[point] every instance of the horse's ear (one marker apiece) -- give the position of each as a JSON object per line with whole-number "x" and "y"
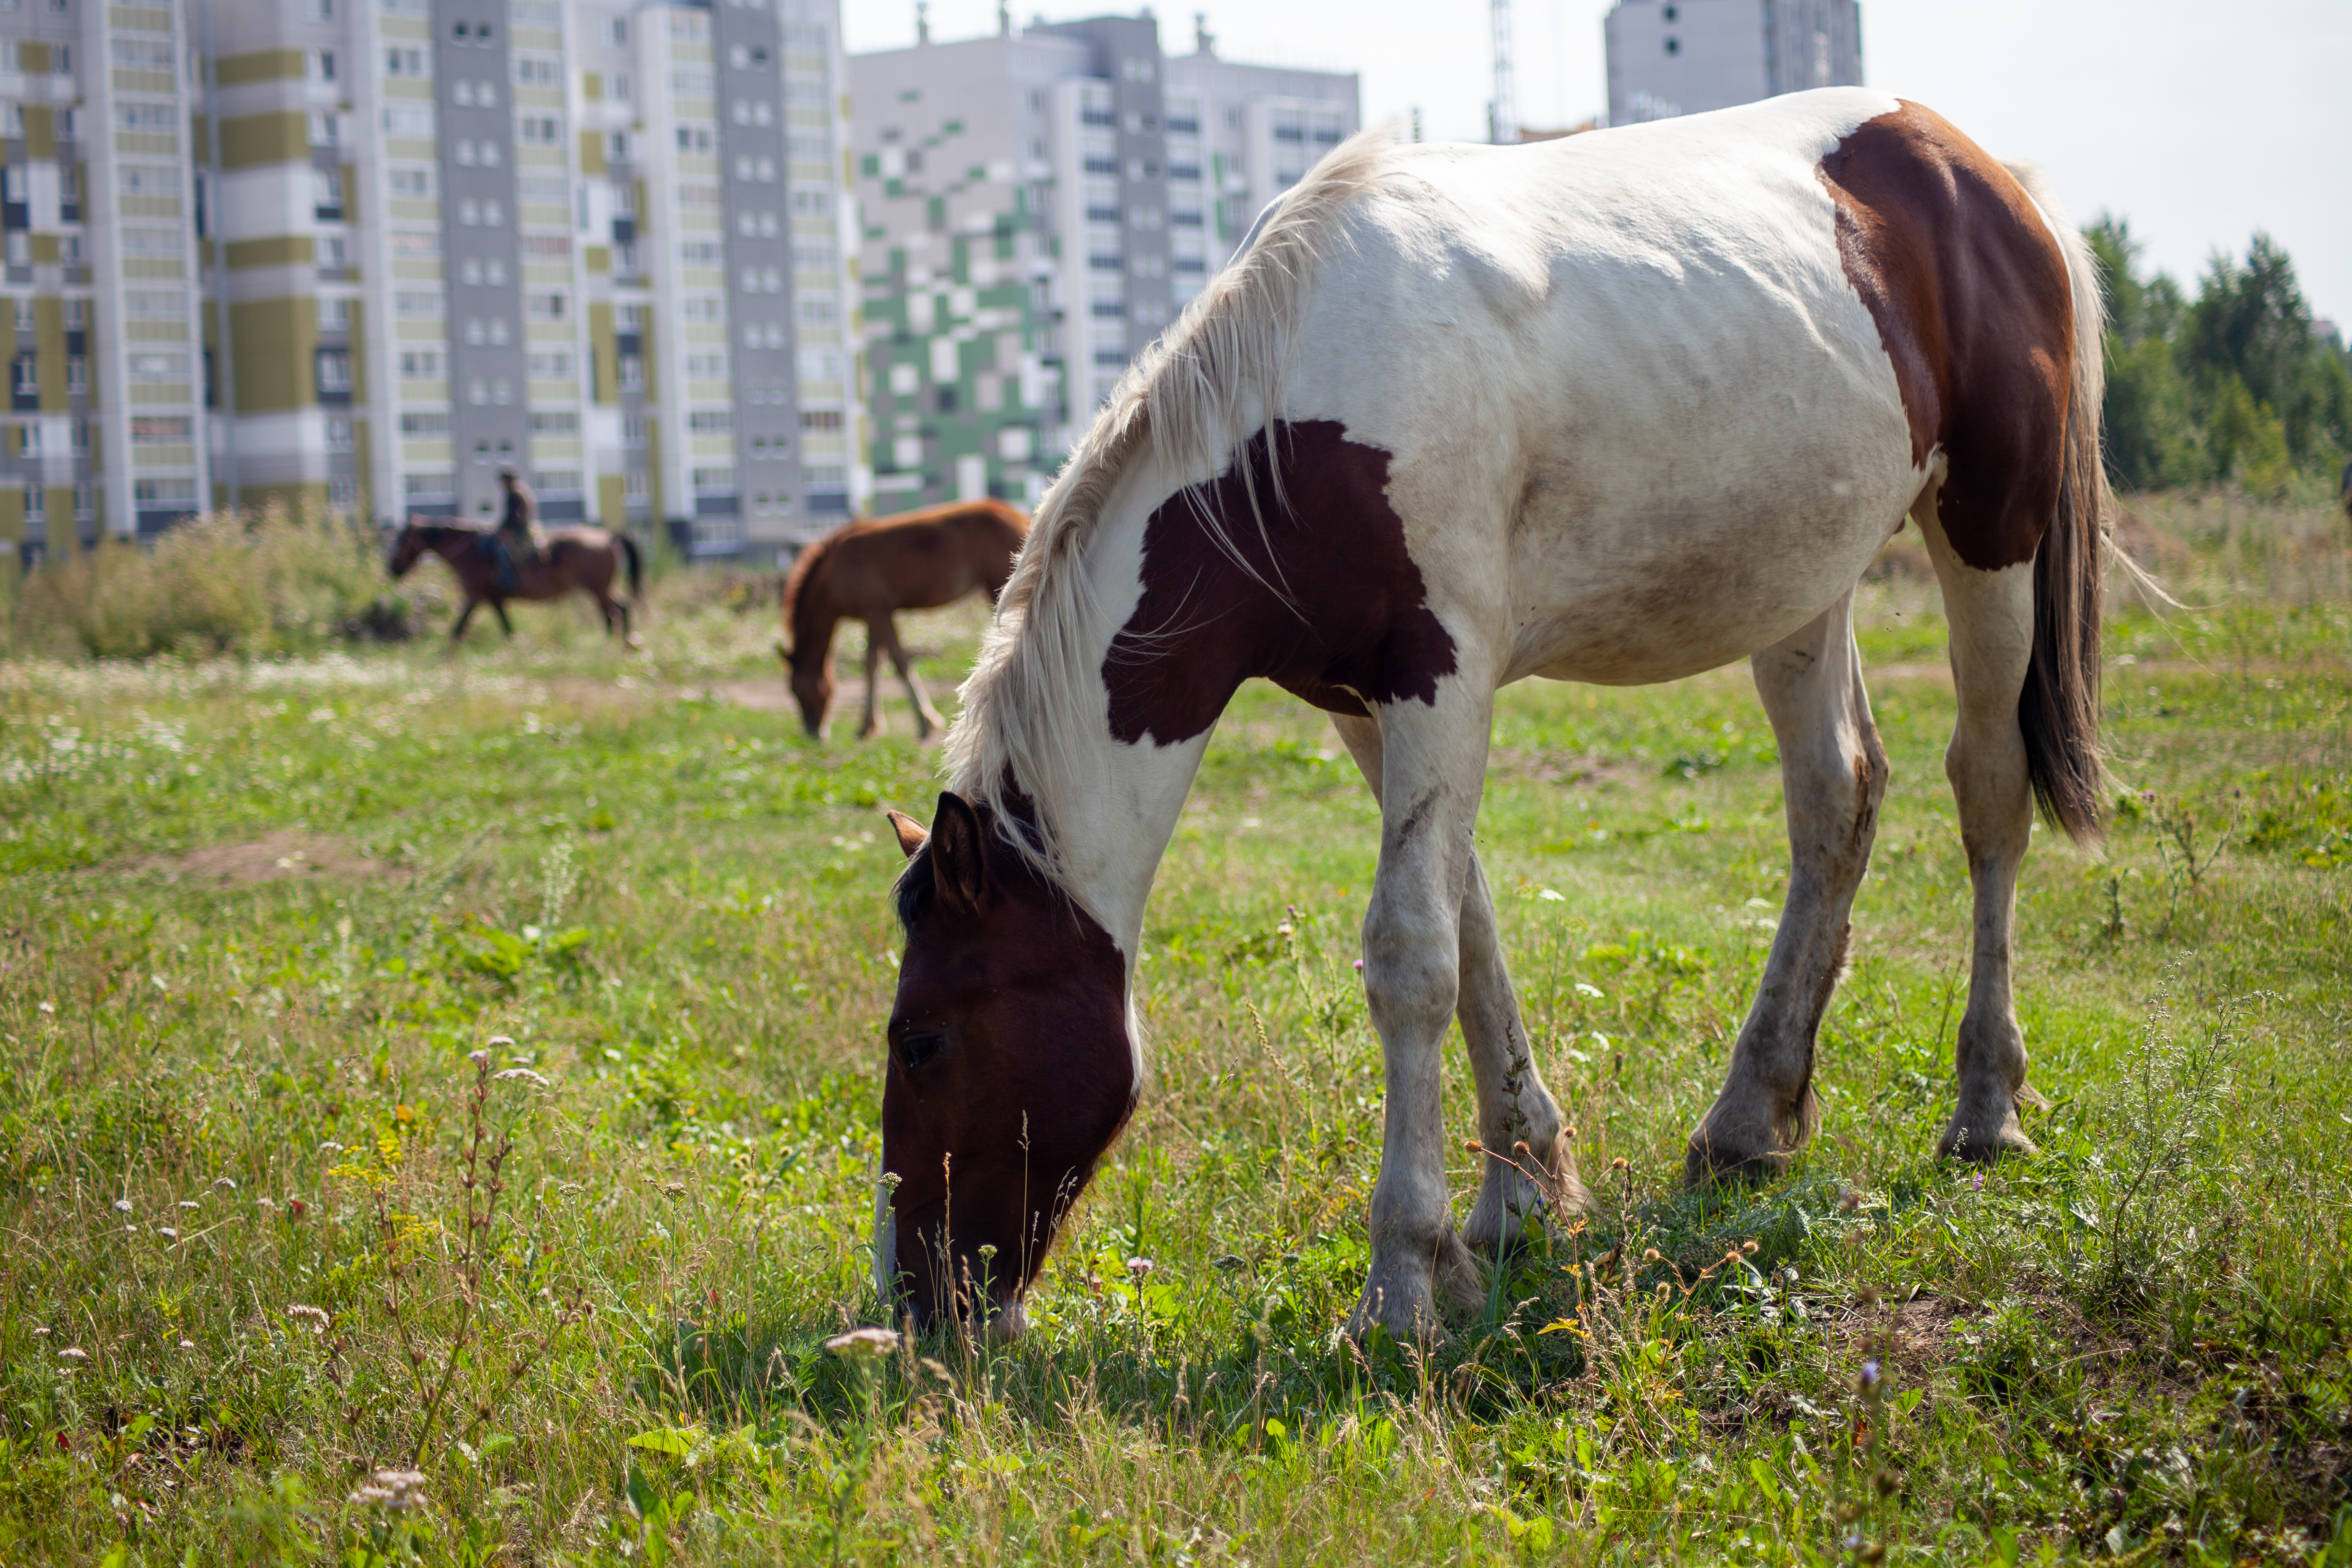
{"x": 910, "y": 833}
{"x": 959, "y": 862}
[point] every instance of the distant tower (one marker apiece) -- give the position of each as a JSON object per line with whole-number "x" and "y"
{"x": 1503, "y": 114}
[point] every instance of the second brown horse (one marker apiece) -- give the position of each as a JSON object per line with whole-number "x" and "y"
{"x": 870, "y": 570}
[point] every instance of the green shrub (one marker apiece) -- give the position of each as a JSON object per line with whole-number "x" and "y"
{"x": 231, "y": 582}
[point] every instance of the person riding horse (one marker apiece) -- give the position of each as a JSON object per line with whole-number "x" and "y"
{"x": 516, "y": 539}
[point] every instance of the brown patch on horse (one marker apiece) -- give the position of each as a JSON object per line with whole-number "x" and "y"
{"x": 1325, "y": 600}
{"x": 1009, "y": 1072}
{"x": 1968, "y": 290}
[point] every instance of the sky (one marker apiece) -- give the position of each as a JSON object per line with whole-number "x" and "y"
{"x": 2199, "y": 122}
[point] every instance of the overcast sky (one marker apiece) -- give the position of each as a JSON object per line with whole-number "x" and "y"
{"x": 2200, "y": 122}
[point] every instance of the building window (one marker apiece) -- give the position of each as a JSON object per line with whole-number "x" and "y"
{"x": 27, "y": 378}
{"x": 1673, "y": 46}
{"x": 339, "y": 432}
{"x": 334, "y": 372}
{"x": 77, "y": 374}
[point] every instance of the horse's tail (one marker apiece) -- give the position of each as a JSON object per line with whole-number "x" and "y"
{"x": 2059, "y": 709}
{"x": 635, "y": 564}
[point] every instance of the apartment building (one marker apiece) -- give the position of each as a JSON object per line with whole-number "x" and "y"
{"x": 1037, "y": 205}
{"x": 104, "y": 413}
{"x": 362, "y": 255}
{"x": 1668, "y": 58}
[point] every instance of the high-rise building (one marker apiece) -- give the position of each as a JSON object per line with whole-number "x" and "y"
{"x": 600, "y": 242}
{"x": 103, "y": 426}
{"x": 1684, "y": 56}
{"x": 1037, "y": 207}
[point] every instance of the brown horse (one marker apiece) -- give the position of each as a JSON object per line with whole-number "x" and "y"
{"x": 588, "y": 559}
{"x": 874, "y": 568}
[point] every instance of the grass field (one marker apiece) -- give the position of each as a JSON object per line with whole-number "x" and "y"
{"x": 467, "y": 1065}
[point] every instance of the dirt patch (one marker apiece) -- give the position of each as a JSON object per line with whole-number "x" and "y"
{"x": 770, "y": 696}
{"x": 1557, "y": 767}
{"x": 282, "y": 856}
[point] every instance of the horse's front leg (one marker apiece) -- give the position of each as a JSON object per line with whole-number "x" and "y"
{"x": 498, "y": 608}
{"x": 1433, "y": 765}
{"x": 875, "y": 634}
{"x": 464, "y": 615}
{"x": 1833, "y": 775}
{"x": 1515, "y": 1105}
{"x": 927, "y": 718}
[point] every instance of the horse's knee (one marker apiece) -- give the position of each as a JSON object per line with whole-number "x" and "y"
{"x": 1412, "y": 972}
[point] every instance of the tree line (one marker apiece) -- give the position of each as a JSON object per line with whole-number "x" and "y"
{"x": 2236, "y": 386}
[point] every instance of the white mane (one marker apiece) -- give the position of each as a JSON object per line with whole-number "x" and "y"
{"x": 1032, "y": 713}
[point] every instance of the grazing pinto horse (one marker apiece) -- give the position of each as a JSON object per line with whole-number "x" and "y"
{"x": 1618, "y": 408}
{"x": 870, "y": 571}
{"x": 588, "y": 559}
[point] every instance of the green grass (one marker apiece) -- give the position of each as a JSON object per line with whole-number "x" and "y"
{"x": 661, "y": 917}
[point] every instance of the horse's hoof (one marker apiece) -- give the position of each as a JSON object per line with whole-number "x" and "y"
{"x": 1979, "y": 1146}
{"x": 1738, "y": 1152}
{"x": 1507, "y": 1195}
{"x": 1706, "y": 1164}
{"x": 1402, "y": 1309}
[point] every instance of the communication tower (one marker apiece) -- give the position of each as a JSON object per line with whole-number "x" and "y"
{"x": 1503, "y": 114}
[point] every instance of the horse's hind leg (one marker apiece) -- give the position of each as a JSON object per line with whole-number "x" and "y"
{"x": 498, "y": 608}
{"x": 1991, "y": 620}
{"x": 1515, "y": 1105}
{"x": 927, "y": 718}
{"x": 1832, "y": 774}
{"x": 464, "y": 615}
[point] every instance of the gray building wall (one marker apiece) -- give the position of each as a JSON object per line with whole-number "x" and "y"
{"x": 1668, "y": 58}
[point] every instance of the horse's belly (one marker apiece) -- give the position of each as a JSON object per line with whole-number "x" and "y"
{"x": 1655, "y": 599}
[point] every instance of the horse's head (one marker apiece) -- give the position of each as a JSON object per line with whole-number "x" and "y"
{"x": 1010, "y": 1071}
{"x": 807, "y": 650}
{"x": 812, "y": 679}
{"x": 408, "y": 548}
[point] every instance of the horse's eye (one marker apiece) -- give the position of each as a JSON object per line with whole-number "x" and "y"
{"x": 914, "y": 1050}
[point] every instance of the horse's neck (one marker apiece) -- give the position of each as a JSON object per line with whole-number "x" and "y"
{"x": 1113, "y": 838}
{"x": 1114, "y": 835}
{"x": 812, "y": 630}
